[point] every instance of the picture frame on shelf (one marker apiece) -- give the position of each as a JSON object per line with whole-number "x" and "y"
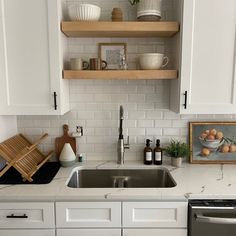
{"x": 114, "y": 54}
{"x": 212, "y": 142}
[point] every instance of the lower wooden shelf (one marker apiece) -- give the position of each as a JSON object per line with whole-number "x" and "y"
{"x": 120, "y": 74}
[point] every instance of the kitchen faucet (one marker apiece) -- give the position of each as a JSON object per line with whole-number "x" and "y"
{"x": 121, "y": 146}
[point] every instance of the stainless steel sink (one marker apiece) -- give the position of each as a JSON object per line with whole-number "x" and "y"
{"x": 121, "y": 178}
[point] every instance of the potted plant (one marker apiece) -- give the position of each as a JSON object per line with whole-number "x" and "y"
{"x": 177, "y": 150}
{"x": 148, "y": 10}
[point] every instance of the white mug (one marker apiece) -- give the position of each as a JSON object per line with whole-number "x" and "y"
{"x": 153, "y": 61}
{"x": 78, "y": 64}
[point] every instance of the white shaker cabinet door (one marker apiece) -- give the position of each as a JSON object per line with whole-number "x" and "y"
{"x": 21, "y": 232}
{"x": 89, "y": 232}
{"x": 155, "y": 232}
{"x": 208, "y": 70}
{"x": 30, "y": 70}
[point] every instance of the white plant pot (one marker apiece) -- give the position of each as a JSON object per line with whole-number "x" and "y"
{"x": 67, "y": 156}
{"x": 149, "y": 10}
{"x": 177, "y": 162}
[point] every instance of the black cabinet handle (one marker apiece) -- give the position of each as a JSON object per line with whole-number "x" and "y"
{"x": 185, "y": 99}
{"x": 12, "y": 216}
{"x": 55, "y": 100}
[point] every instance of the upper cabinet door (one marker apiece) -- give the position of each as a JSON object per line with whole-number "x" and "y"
{"x": 208, "y": 57}
{"x": 30, "y": 70}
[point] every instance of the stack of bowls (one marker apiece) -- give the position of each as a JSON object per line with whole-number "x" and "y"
{"x": 84, "y": 12}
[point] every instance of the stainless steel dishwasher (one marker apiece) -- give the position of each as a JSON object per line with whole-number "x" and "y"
{"x": 212, "y": 218}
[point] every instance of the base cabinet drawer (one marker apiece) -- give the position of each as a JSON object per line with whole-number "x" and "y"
{"x": 155, "y": 214}
{"x": 22, "y": 232}
{"x": 155, "y": 232}
{"x": 88, "y": 214}
{"x": 27, "y": 215}
{"x": 89, "y": 232}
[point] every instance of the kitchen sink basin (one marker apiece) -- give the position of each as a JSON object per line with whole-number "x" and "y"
{"x": 121, "y": 178}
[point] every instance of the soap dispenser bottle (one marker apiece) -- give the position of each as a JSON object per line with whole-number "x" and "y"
{"x": 148, "y": 153}
{"x": 157, "y": 153}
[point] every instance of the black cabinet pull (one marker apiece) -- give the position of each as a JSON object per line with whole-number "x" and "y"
{"x": 55, "y": 100}
{"x": 185, "y": 99}
{"x": 12, "y": 216}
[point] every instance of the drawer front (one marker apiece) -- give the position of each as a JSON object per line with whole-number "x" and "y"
{"x": 88, "y": 214}
{"x": 27, "y": 215}
{"x": 22, "y": 232}
{"x": 89, "y": 232}
{"x": 155, "y": 232}
{"x": 154, "y": 214}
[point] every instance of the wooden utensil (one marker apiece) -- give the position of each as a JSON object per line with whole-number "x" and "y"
{"x": 60, "y": 141}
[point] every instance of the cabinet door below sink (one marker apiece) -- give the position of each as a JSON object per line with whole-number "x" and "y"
{"x": 89, "y": 232}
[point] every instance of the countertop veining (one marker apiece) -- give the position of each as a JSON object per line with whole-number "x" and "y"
{"x": 193, "y": 181}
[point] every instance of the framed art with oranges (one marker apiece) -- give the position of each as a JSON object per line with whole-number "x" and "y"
{"x": 212, "y": 142}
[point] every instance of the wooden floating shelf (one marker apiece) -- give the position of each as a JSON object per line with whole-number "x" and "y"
{"x": 121, "y": 74}
{"x": 119, "y": 29}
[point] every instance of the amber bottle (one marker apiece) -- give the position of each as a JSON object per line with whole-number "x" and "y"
{"x": 157, "y": 153}
{"x": 148, "y": 153}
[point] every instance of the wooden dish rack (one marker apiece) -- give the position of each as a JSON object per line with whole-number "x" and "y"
{"x": 24, "y": 156}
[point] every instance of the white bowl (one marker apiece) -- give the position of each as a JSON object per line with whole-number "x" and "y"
{"x": 84, "y": 12}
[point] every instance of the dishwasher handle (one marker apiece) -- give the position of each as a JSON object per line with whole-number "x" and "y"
{"x": 214, "y": 220}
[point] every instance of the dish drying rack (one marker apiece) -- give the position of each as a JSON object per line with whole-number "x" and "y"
{"x": 24, "y": 156}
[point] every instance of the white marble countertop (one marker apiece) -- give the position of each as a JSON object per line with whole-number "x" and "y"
{"x": 193, "y": 181}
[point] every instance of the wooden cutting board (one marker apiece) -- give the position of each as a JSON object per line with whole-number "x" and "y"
{"x": 65, "y": 138}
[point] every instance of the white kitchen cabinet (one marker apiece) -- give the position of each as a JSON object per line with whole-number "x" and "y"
{"x": 155, "y": 214}
{"x": 31, "y": 60}
{"x": 208, "y": 70}
{"x": 22, "y": 232}
{"x": 88, "y": 214}
{"x": 89, "y": 232}
{"x": 27, "y": 215}
{"x": 155, "y": 232}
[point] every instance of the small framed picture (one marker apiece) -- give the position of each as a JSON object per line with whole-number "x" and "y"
{"x": 112, "y": 53}
{"x": 212, "y": 142}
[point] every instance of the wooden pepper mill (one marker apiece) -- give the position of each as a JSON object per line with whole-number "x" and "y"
{"x": 117, "y": 14}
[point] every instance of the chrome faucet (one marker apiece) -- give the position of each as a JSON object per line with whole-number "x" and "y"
{"x": 121, "y": 146}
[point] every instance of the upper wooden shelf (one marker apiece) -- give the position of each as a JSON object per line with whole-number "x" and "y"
{"x": 119, "y": 29}
{"x": 120, "y": 74}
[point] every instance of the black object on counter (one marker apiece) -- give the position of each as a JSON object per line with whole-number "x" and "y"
{"x": 43, "y": 176}
{"x": 148, "y": 153}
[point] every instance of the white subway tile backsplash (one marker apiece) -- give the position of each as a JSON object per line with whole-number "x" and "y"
{"x": 154, "y": 114}
{"x": 163, "y": 123}
{"x": 145, "y": 123}
{"x": 154, "y": 131}
{"x": 86, "y": 115}
{"x": 94, "y": 123}
{"x": 136, "y": 131}
{"x": 33, "y": 131}
{"x": 136, "y": 98}
{"x": 171, "y": 131}
{"x": 137, "y": 115}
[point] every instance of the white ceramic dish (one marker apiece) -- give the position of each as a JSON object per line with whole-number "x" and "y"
{"x": 84, "y": 12}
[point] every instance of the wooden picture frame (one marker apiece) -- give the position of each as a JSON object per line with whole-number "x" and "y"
{"x": 112, "y": 53}
{"x": 212, "y": 142}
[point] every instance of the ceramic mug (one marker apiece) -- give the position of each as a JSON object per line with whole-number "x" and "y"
{"x": 153, "y": 61}
{"x": 78, "y": 64}
{"x": 97, "y": 64}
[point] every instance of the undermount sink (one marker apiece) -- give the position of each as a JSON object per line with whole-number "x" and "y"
{"x": 121, "y": 178}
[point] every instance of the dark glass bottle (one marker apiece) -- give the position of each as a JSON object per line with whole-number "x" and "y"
{"x": 148, "y": 153}
{"x": 157, "y": 153}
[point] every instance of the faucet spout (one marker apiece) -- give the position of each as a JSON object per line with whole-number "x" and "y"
{"x": 121, "y": 146}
